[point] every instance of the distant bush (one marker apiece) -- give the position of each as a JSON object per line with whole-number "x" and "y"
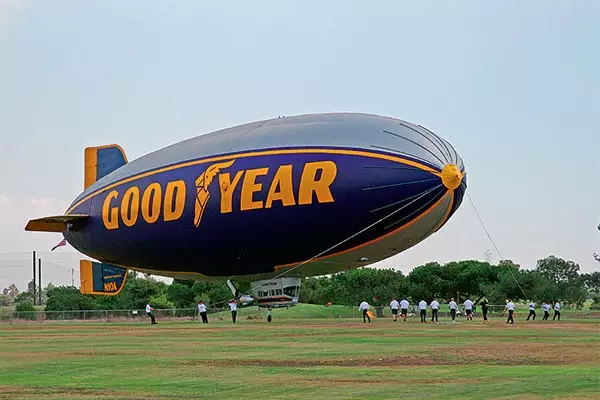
{"x": 25, "y": 310}
{"x": 24, "y": 306}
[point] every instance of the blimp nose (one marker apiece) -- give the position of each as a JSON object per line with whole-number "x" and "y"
{"x": 451, "y": 176}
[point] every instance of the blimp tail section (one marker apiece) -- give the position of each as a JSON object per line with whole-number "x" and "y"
{"x": 101, "y": 161}
{"x": 101, "y": 278}
{"x": 57, "y": 223}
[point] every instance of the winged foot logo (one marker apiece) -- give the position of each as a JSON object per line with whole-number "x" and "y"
{"x": 167, "y": 202}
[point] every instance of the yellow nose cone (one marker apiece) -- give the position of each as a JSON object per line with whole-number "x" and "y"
{"x": 451, "y": 176}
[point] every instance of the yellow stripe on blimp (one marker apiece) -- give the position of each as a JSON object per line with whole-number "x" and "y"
{"x": 397, "y": 159}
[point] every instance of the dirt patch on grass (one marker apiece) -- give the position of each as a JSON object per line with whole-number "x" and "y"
{"x": 19, "y": 392}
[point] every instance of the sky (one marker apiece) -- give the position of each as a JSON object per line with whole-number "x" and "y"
{"x": 514, "y": 86}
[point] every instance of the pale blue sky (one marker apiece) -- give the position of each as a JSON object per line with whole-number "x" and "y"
{"x": 514, "y": 86}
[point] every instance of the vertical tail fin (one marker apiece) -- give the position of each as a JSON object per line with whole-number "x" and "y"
{"x": 101, "y": 161}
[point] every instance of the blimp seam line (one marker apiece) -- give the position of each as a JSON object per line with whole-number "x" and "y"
{"x": 373, "y": 241}
{"x": 401, "y": 153}
{"x": 400, "y": 184}
{"x": 366, "y": 153}
{"x": 434, "y": 198}
{"x": 396, "y": 203}
{"x": 446, "y": 215}
{"x": 442, "y": 162}
{"x": 408, "y": 126}
{"x": 447, "y": 154}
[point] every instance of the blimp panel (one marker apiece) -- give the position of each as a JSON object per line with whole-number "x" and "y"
{"x": 336, "y": 129}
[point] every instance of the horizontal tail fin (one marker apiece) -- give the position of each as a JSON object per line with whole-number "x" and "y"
{"x": 101, "y": 161}
{"x": 57, "y": 223}
{"x": 101, "y": 279}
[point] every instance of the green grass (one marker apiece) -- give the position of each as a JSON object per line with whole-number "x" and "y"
{"x": 299, "y": 357}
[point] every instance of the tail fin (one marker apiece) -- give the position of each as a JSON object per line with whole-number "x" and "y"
{"x": 57, "y": 223}
{"x": 101, "y": 278}
{"x": 101, "y": 161}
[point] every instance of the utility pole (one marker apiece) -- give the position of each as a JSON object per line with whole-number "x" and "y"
{"x": 40, "y": 280}
{"x": 34, "y": 283}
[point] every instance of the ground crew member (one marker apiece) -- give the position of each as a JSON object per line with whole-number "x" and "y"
{"x": 531, "y": 310}
{"x": 484, "y": 309}
{"x": 404, "y": 308}
{"x": 202, "y": 312}
{"x": 149, "y": 310}
{"x": 423, "y": 310}
{"x": 435, "y": 306}
{"x": 510, "y": 306}
{"x": 546, "y": 307}
{"x": 394, "y": 305}
{"x": 469, "y": 309}
{"x": 453, "y": 306}
{"x": 556, "y": 311}
{"x": 233, "y": 308}
{"x": 364, "y": 307}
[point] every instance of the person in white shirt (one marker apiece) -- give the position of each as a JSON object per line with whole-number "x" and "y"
{"x": 556, "y": 311}
{"x": 531, "y": 310}
{"x": 404, "y": 308}
{"x": 435, "y": 306}
{"x": 233, "y": 308}
{"x": 149, "y": 313}
{"x": 453, "y": 307}
{"x": 364, "y": 307}
{"x": 546, "y": 307}
{"x": 394, "y": 305}
{"x": 510, "y": 307}
{"x": 469, "y": 309}
{"x": 423, "y": 310}
{"x": 202, "y": 312}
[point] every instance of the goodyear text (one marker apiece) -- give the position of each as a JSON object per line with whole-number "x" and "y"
{"x": 166, "y": 203}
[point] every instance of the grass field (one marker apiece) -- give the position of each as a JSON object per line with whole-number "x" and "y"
{"x": 293, "y": 358}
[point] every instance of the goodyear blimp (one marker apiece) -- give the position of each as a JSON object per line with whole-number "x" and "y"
{"x": 268, "y": 202}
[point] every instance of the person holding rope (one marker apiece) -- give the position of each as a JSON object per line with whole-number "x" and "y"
{"x": 435, "y": 306}
{"x": 556, "y": 311}
{"x": 510, "y": 307}
{"x": 484, "y": 310}
{"x": 149, "y": 313}
{"x": 423, "y": 311}
{"x": 233, "y": 308}
{"x": 404, "y": 308}
{"x": 469, "y": 309}
{"x": 453, "y": 307}
{"x": 202, "y": 312}
{"x": 364, "y": 307}
{"x": 546, "y": 308}
{"x": 394, "y": 306}
{"x": 531, "y": 310}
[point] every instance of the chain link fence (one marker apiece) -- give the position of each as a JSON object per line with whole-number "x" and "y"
{"x": 188, "y": 314}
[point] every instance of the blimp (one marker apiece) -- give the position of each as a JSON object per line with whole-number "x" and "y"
{"x": 267, "y": 202}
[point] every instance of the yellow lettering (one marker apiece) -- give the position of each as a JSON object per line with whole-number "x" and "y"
{"x": 130, "y": 206}
{"x": 151, "y": 210}
{"x": 110, "y": 287}
{"x": 310, "y": 184}
{"x": 282, "y": 181}
{"x": 174, "y": 209}
{"x": 227, "y": 188}
{"x": 110, "y": 216}
{"x": 249, "y": 187}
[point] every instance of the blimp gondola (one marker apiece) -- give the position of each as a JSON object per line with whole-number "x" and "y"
{"x": 268, "y": 202}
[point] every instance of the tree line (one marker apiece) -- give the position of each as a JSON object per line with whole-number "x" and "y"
{"x": 553, "y": 279}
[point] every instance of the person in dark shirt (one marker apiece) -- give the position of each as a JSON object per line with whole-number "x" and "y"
{"x": 484, "y": 309}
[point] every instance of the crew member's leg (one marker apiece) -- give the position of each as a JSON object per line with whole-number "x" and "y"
{"x": 233, "y": 315}
{"x": 453, "y": 314}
